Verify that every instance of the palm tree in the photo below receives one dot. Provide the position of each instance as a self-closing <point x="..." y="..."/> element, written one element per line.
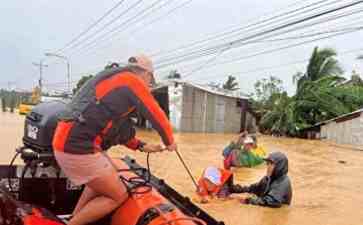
<point x="174" y="75"/>
<point x="322" y="63"/>
<point x="319" y="97"/>
<point x="231" y="84"/>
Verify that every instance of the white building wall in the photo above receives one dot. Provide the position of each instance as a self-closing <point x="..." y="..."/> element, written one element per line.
<point x="175" y="105"/>
<point x="347" y="132"/>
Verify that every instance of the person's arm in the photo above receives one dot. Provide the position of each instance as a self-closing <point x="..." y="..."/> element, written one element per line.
<point x="227" y="150"/>
<point x="141" y="97"/>
<point x="136" y="144"/>
<point x="273" y="198"/>
<point x="267" y="200"/>
<point x="256" y="188"/>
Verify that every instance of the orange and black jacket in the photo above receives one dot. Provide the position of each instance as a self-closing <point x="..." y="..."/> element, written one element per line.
<point x="99" y="114"/>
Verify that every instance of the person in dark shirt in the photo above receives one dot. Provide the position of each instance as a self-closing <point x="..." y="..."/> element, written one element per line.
<point x="273" y="190"/>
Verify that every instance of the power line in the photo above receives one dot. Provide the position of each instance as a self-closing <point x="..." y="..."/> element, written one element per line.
<point x="91" y="26"/>
<point x="262" y="40"/>
<point x="211" y="51"/>
<point x="319" y="2"/>
<point x="266" y="22"/>
<point x="289" y="46"/>
<point x="103" y="47"/>
<point x="98" y="31"/>
<point x="235" y="43"/>
<point x="224" y="33"/>
<point x="141" y="15"/>
<point x="286" y="47"/>
<point x="183" y="4"/>
<point x="341" y="31"/>
<point x="239" y="42"/>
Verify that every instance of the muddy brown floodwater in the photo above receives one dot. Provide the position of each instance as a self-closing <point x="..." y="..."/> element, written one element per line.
<point x="327" y="180"/>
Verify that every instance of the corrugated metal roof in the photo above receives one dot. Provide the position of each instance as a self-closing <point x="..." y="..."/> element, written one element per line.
<point x="338" y="118"/>
<point x="207" y="88"/>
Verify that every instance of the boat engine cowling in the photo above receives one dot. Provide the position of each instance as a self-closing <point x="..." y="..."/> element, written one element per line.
<point x="40" y="125"/>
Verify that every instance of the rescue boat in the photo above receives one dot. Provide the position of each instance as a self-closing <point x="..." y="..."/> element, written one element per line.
<point x="38" y="193"/>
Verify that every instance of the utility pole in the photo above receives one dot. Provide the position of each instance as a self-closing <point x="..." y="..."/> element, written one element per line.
<point x="40" y="81"/>
<point x="49" y="54"/>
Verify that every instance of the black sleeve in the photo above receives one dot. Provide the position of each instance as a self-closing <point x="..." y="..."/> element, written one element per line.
<point x="259" y="187"/>
<point x="236" y="188"/>
<point x="273" y="198"/>
<point x="256" y="188"/>
<point x="267" y="200"/>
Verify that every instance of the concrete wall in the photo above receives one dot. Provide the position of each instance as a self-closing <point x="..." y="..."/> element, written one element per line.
<point x="347" y="132"/>
<point x="207" y="112"/>
<point x="232" y="116"/>
<point x="251" y="125"/>
<point x="192" y="110"/>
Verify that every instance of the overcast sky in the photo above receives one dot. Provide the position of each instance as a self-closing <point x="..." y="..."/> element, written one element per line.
<point x="31" y="28"/>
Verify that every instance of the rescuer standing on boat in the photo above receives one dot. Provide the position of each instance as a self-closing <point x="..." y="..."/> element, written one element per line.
<point x="97" y="118"/>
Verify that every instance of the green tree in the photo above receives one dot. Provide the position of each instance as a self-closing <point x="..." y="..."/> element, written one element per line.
<point x="231" y="84"/>
<point x="280" y="119"/>
<point x="81" y="82"/>
<point x="267" y="90"/>
<point x="319" y="96"/>
<point x="174" y="75"/>
<point x="322" y="63"/>
<point x="315" y="99"/>
<point x="267" y="87"/>
<point x="12" y="102"/>
<point x="3" y="104"/>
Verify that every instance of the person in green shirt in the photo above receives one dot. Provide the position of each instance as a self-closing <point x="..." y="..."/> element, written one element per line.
<point x="242" y="155"/>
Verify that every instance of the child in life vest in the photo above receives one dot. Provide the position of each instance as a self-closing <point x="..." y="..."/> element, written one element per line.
<point x="214" y="182"/>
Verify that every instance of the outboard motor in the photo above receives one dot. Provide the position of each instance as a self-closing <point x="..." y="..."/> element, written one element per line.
<point x="40" y="181"/>
<point x="40" y="126"/>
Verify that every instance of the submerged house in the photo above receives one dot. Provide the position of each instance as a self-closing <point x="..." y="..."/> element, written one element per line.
<point x="200" y="108"/>
<point x="344" y="129"/>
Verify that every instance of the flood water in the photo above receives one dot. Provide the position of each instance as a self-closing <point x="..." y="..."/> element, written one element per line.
<point x="327" y="179"/>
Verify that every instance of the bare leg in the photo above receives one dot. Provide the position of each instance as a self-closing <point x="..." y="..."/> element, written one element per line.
<point x="112" y="193"/>
<point x="87" y="195"/>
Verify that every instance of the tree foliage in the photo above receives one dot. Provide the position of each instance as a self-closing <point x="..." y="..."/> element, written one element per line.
<point x="81" y="82"/>
<point x="266" y="90"/>
<point x="174" y="75"/>
<point x="231" y="84"/>
<point x="320" y="95"/>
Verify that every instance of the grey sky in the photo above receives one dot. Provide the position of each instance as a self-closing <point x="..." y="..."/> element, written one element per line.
<point x="31" y="28"/>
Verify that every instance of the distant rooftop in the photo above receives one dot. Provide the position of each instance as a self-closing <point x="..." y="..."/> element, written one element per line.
<point x="205" y="87"/>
